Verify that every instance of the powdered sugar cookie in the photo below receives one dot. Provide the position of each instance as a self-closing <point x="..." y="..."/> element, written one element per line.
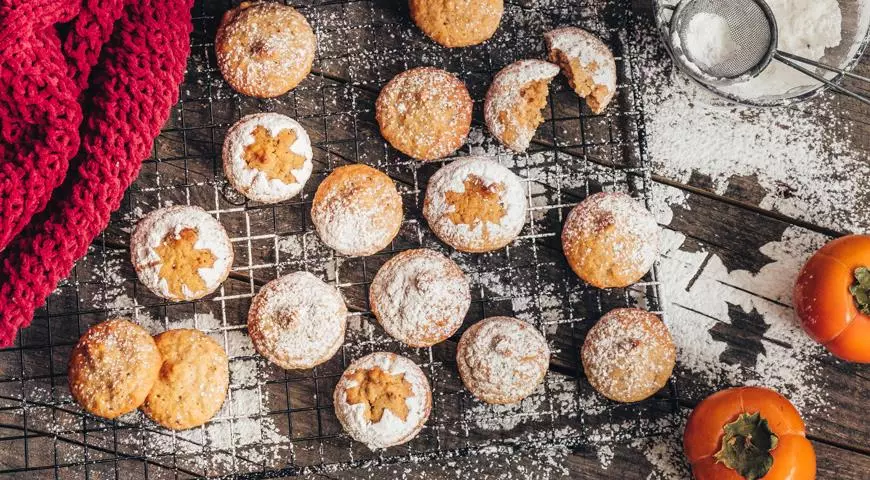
<point x="382" y="400"/>
<point x="586" y="62"/>
<point x="475" y="205"/>
<point x="181" y="252"/>
<point x="193" y="380"/>
<point x="297" y="321"/>
<point x="628" y="355"/>
<point x="611" y="240"/>
<point x="502" y="360"/>
<point x="457" y="23"/>
<point x="357" y="210"/>
<point x="264" y="49"/>
<point x="424" y="113"/>
<point x="113" y="367"/>
<point x="420" y="297"/>
<point x="513" y="105"/>
<point x="267" y="157"/>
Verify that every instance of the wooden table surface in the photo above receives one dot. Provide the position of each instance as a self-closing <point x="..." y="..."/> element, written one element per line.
<point x="737" y="242"/>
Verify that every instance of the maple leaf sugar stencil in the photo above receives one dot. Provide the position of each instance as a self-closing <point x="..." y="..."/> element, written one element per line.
<point x="180" y="262"/>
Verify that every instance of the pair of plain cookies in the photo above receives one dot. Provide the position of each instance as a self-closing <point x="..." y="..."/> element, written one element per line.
<point x="181" y="252"/>
<point x="297" y="321"/>
<point x="179" y="378"/>
<point x="382" y="400"/>
<point x="628" y="355"/>
<point x="264" y="49"/>
<point x="519" y="91"/>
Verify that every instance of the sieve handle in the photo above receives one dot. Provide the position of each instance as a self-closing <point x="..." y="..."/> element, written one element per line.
<point x="829" y="68"/>
<point x="786" y="60"/>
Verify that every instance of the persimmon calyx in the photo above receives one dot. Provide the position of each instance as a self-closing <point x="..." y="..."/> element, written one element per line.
<point x="746" y="446"/>
<point x="861" y="289"/>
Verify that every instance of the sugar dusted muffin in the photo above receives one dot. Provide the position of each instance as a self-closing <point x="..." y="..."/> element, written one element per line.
<point x="264" y="49"/>
<point x="502" y="360"/>
<point x="267" y="157"/>
<point x="382" y="400"/>
<point x="424" y="113"/>
<point x="457" y="23"/>
<point x="610" y="240"/>
<point x="628" y="355"/>
<point x="181" y="252"/>
<point x="420" y="297"/>
<point x="113" y="367"/>
<point x="357" y="210"/>
<point x="297" y="321"/>
<point x="586" y="62"/>
<point x="513" y="105"/>
<point x="475" y="205"/>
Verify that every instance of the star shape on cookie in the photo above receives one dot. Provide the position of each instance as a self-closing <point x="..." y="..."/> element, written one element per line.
<point x="180" y="262"/>
<point x="478" y="202"/>
<point x="272" y="154"/>
<point x="379" y="391"/>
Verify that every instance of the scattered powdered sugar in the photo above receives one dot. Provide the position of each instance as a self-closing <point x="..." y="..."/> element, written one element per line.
<point x="558" y="394"/>
<point x="479" y="234"/>
<point x="506" y="92"/>
<point x="153" y="230"/>
<point x="502" y="359"/>
<point x="297" y="321"/>
<point x="709" y="40"/>
<point x="702" y="293"/>
<point x="420" y="297"/>
<point x="255" y="183"/>
<point x="391" y="429"/>
<point x="803" y="171"/>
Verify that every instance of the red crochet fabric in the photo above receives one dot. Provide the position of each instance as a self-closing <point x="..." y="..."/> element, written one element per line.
<point x="91" y="103"/>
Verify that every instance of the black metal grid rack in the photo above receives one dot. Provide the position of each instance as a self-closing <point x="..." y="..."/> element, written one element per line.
<point x="276" y="422"/>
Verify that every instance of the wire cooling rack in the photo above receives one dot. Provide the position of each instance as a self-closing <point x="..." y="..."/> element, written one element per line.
<point x="277" y="422"/>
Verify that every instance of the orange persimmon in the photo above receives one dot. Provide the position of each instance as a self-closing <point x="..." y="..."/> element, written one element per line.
<point x="748" y="433"/>
<point x="832" y="297"/>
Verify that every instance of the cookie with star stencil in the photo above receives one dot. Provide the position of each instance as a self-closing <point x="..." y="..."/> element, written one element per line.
<point x="181" y="252"/>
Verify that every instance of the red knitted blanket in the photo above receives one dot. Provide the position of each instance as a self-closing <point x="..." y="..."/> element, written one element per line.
<point x="85" y="86"/>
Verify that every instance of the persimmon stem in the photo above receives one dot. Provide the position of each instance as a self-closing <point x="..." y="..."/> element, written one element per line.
<point x="861" y="289"/>
<point x="746" y="446"/>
